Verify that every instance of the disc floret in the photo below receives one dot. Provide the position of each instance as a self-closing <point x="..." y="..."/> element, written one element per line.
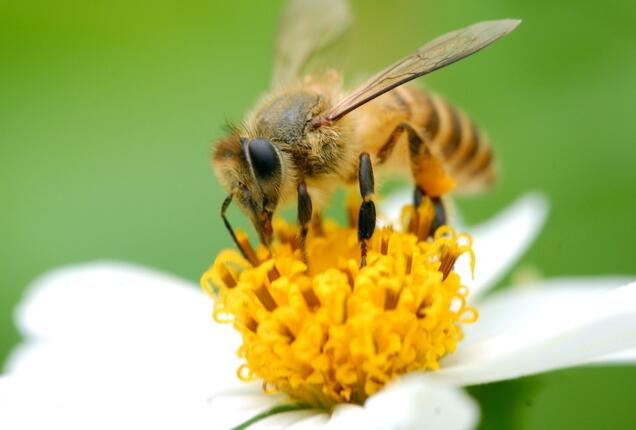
<point x="326" y="331"/>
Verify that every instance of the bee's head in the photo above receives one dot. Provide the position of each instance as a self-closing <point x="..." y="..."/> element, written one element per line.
<point x="251" y="171"/>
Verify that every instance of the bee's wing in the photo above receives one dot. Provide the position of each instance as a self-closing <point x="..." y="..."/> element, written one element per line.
<point x="305" y="27"/>
<point x="434" y="55"/>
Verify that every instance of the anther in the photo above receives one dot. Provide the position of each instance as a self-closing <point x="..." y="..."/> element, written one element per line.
<point x="316" y="226"/>
<point x="350" y="278"/>
<point x="264" y="296"/>
<point x="421" y="310"/>
<point x="311" y="299"/>
<point x="447" y="263"/>
<point x="391" y="299"/>
<point x="384" y="247"/>
<point x="273" y="274"/>
<point x="227" y="277"/>
<point x="409" y="263"/>
<point x="246" y="248"/>
<point x="251" y="325"/>
<point x="285" y="331"/>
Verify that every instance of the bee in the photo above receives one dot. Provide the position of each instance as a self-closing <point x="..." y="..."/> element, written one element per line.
<point x="309" y="136"/>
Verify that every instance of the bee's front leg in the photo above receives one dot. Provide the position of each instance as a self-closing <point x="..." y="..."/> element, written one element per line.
<point x="304" y="216"/>
<point x="366" y="217"/>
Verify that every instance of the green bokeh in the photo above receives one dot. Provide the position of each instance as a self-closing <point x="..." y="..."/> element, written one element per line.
<point x="107" y="110"/>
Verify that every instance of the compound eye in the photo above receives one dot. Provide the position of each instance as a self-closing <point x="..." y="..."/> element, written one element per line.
<point x="264" y="158"/>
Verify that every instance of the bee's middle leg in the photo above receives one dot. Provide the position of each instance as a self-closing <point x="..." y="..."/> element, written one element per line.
<point x="366" y="217"/>
<point x="304" y="217"/>
<point x="418" y="148"/>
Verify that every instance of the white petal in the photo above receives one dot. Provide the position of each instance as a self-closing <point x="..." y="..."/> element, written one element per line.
<point x="515" y="306"/>
<point x="414" y="402"/>
<point x="108" y="298"/>
<point x="627" y="357"/>
<point x="28" y="402"/>
<point x="347" y="416"/>
<point x="120" y="318"/>
<point x="317" y="421"/>
<point x="571" y="334"/>
<point x="501" y="241"/>
<point x="292" y="420"/>
<point x="120" y="340"/>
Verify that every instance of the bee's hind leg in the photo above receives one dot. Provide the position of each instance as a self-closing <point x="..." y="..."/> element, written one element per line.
<point x="419" y="152"/>
<point x="440" y="216"/>
<point x="366" y="217"/>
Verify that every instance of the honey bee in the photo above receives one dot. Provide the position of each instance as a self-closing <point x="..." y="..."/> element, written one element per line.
<point x="309" y="136"/>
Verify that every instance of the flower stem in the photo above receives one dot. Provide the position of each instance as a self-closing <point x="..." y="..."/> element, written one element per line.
<point x="273" y="411"/>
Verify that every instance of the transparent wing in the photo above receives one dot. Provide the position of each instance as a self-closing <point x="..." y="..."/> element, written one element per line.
<point x="305" y="27"/>
<point x="441" y="52"/>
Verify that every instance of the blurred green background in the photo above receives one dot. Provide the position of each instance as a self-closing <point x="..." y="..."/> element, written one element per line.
<point x="107" y="110"/>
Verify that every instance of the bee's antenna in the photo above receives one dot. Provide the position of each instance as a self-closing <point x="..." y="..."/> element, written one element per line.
<point x="224" y="207"/>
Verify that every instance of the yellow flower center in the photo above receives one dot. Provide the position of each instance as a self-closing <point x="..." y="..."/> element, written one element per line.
<point x="328" y="331"/>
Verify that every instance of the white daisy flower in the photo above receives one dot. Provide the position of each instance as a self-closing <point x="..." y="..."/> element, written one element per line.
<point x="111" y="345"/>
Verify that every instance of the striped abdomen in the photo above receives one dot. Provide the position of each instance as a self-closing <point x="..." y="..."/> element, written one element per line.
<point x="454" y="140"/>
